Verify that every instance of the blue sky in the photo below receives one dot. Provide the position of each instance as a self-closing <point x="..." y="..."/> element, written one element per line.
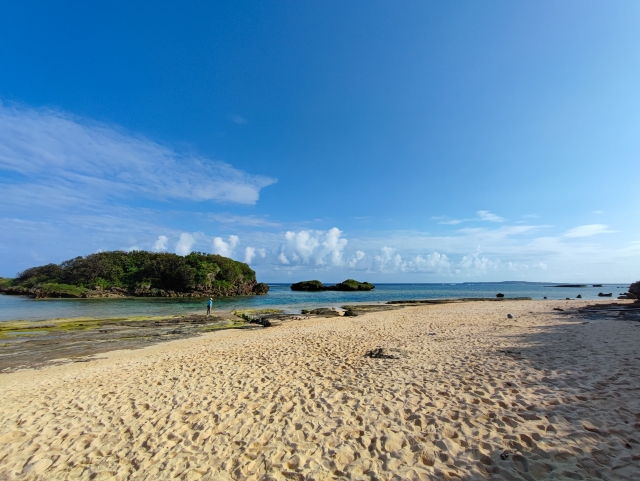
<point x="385" y="141"/>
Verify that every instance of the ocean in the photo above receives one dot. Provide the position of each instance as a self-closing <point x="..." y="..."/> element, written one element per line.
<point x="282" y="297"/>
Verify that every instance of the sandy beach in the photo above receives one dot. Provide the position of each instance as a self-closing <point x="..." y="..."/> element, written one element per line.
<point x="467" y="394"/>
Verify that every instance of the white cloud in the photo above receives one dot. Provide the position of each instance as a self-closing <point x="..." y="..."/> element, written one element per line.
<point x="587" y="230"/>
<point x="477" y="262"/>
<point x="488" y="216"/>
<point x="482" y="215"/>
<point x="333" y="245"/>
<point x="249" y="254"/>
<point x="357" y="257"/>
<point x="313" y="247"/>
<point x="77" y="159"/>
<point x="283" y="259"/>
<point x="161" y="244"/>
<point x="434" y="262"/>
<point x="244" y="220"/>
<point x="225" y="248"/>
<point x="185" y="243"/>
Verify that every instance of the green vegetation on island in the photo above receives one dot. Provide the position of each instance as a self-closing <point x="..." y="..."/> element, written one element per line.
<point x="316" y="286"/>
<point x="137" y="273"/>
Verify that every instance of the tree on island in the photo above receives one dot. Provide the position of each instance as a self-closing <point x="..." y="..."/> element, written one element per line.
<point x="139" y="273"/>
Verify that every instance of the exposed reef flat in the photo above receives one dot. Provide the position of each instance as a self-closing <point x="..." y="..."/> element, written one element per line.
<point x="29" y="344"/>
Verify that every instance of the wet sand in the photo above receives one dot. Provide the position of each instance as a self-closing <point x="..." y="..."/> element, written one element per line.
<point x="469" y="394"/>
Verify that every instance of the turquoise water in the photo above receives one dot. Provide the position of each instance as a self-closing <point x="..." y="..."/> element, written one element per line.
<point x="280" y="296"/>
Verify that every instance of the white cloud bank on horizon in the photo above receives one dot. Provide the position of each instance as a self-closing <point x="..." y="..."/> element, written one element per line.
<point x="77" y="158"/>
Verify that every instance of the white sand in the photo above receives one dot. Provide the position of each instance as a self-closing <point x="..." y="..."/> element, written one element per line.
<point x="301" y="401"/>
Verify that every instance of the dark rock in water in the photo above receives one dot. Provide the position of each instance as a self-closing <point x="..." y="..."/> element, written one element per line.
<point x="579" y="296"/>
<point x="628" y="295"/>
<point x="317" y="286"/>
<point x="352" y="285"/>
<point x="570" y="285"/>
<point x="308" y="286"/>
<point x="600" y="294"/>
<point x="597" y="285"/>
<point x="379" y="353"/>
<point x="545" y="297"/>
<point x="499" y="294"/>
<point x="260" y="289"/>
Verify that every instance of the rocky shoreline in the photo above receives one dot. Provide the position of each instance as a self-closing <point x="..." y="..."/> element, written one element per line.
<point x="40" y="292"/>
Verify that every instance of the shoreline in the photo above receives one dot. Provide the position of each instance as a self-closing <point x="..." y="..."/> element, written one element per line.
<point x="470" y="393"/>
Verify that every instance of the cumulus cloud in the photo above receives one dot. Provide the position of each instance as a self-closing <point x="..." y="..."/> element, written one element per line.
<point x="434" y="262"/>
<point x="185" y="243"/>
<point x="313" y="247"/>
<point x="80" y="159"/>
<point x="161" y="244"/>
<point x="251" y="253"/>
<point x="477" y="262"/>
<point x="389" y="260"/>
<point x="225" y="248"/>
<point x="357" y="257"/>
<point x="488" y="216"/>
<point x="283" y="259"/>
<point x="587" y="230"/>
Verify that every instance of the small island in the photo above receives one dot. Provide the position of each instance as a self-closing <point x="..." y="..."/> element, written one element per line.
<point x="137" y="274"/>
<point x="317" y="286"/>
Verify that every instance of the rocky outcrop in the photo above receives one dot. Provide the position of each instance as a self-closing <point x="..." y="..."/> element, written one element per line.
<point x="310" y="286"/>
<point x="260" y="289"/>
<point x="317" y="286"/>
<point x="137" y="274"/>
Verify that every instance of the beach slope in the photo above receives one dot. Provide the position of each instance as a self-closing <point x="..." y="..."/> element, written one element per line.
<point x="465" y="393"/>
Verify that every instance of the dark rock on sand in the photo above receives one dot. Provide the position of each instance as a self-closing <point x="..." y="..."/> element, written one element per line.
<point x="324" y="311"/>
<point x="379" y="353"/>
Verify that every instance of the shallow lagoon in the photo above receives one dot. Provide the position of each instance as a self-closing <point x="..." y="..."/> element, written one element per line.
<point x="280" y="296"/>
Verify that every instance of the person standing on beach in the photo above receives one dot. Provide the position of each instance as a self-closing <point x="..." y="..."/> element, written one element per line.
<point x="209" y="304"/>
